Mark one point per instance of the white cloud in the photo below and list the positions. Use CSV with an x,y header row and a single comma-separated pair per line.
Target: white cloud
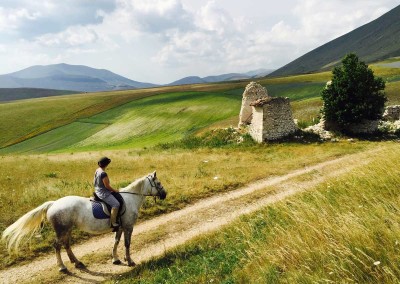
x,y
154,16
73,36
221,43
176,38
29,19
325,20
214,18
11,19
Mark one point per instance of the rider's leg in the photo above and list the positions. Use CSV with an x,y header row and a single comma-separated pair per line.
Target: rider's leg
x,y
113,217
113,202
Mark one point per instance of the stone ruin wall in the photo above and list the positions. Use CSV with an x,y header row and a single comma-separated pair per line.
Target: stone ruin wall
x,y
391,113
257,124
253,92
272,119
268,118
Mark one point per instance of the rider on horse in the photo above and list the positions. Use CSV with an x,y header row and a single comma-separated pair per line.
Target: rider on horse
x,y
105,191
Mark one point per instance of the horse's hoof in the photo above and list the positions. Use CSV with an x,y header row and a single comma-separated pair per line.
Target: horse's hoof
x,y
131,264
117,262
80,265
63,270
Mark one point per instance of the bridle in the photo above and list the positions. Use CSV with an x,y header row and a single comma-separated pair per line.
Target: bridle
x,y
154,185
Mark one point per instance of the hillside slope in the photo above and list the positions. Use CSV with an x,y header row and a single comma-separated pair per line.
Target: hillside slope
x,y
12,94
377,40
140,123
69,77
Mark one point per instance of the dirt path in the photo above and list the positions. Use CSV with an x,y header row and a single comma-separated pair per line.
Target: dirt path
x,y
152,238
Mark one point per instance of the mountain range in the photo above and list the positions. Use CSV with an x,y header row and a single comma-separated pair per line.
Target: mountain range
x,y
222,78
82,78
69,77
375,41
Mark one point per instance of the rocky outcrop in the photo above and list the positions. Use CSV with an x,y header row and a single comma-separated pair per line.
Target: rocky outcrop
x,y
391,113
319,129
390,120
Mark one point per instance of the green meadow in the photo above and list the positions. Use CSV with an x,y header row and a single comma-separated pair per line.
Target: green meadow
x,y
144,118
140,123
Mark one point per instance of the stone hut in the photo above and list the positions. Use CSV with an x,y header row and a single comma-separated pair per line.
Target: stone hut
x,y
253,92
271,119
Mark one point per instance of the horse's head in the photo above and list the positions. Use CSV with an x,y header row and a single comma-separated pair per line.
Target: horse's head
x,y
154,187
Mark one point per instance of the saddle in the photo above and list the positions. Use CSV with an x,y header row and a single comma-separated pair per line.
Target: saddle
x,y
101,210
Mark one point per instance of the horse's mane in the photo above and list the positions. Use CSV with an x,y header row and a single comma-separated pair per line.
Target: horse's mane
x,y
134,186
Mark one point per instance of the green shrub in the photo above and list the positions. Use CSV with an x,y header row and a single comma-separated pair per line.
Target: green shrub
x,y
354,94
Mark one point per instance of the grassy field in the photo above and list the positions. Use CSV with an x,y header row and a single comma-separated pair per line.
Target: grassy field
x,y
121,119
140,123
25,119
344,231
29,180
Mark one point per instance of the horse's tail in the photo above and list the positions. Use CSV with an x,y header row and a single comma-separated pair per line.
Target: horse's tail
x,y
27,225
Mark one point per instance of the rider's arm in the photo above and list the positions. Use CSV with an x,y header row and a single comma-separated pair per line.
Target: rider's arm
x,y
106,182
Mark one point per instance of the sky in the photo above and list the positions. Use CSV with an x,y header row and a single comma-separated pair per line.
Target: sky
x,y
160,41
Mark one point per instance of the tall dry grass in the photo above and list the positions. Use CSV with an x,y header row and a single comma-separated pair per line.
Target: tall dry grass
x,y
346,230
188,175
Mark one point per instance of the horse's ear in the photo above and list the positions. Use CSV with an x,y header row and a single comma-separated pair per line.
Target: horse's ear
x,y
155,174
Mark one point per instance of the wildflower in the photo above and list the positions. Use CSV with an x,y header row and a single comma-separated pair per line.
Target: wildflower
x,y
377,262
215,178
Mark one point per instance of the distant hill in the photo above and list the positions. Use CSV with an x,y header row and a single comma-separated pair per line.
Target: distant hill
x,y
69,77
11,94
222,78
60,79
188,80
377,40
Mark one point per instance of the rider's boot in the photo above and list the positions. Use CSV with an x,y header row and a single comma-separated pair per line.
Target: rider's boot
x,y
113,219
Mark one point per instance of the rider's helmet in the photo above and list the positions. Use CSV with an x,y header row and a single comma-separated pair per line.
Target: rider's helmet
x,y
103,162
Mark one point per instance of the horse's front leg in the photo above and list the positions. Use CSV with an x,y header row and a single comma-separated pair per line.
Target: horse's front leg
x,y
127,237
118,235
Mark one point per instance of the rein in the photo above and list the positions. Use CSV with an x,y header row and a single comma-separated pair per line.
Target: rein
x,y
130,192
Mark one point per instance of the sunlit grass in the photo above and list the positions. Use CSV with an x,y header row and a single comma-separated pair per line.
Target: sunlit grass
x,y
346,230
25,119
29,180
141,123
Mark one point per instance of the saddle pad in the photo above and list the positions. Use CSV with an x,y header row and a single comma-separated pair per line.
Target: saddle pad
x,y
98,212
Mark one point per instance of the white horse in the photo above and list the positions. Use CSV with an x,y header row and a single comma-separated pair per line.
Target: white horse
x,y
76,211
